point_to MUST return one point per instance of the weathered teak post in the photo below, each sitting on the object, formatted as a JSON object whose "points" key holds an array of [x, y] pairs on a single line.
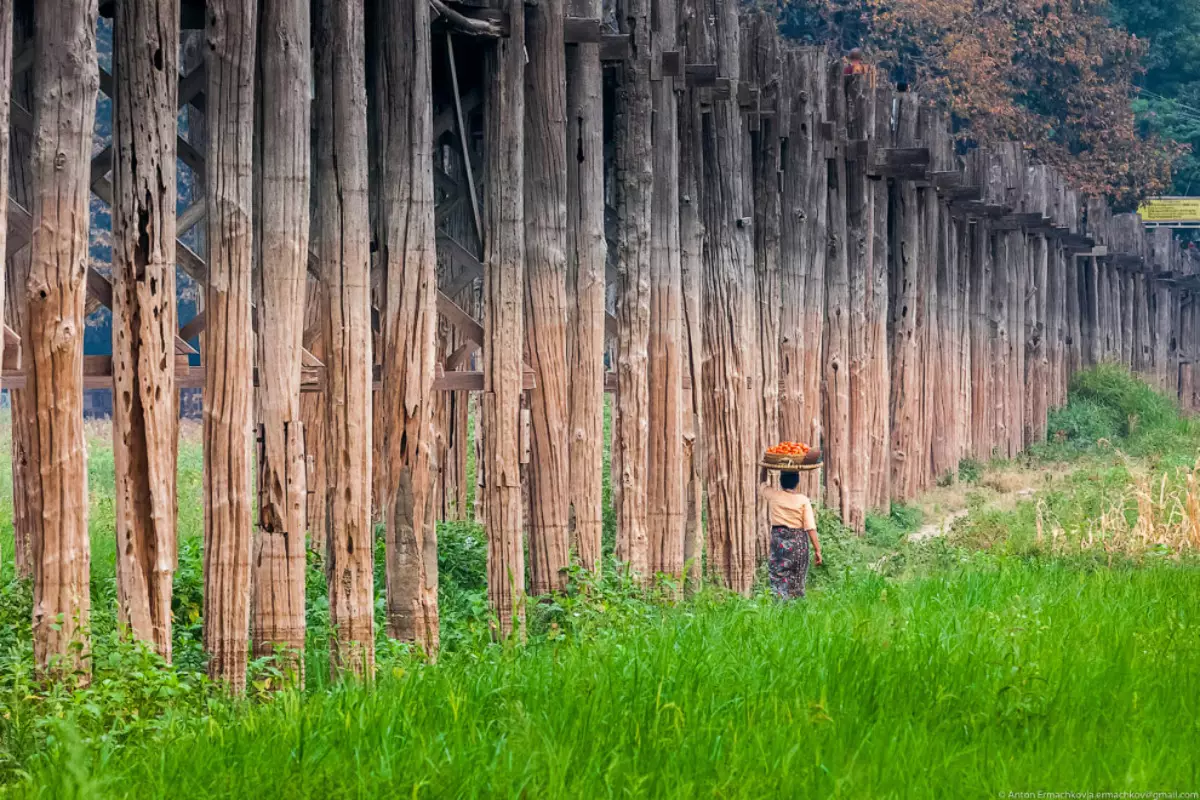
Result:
{"points": [[666, 353], [587, 251], [16, 307], [727, 407], [281, 243], [6, 67], [945, 357], [635, 196], [908, 288], [312, 414], [228, 342], [407, 259], [878, 373], [503, 321], [860, 243], [836, 355], [980, 282], [343, 263], [64, 108], [145, 422], [1036, 398], [761, 68], [803, 260], [546, 296], [691, 250], [930, 224]]}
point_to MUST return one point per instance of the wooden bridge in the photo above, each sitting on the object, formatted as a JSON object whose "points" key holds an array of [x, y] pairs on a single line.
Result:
{"points": [[514, 208]]}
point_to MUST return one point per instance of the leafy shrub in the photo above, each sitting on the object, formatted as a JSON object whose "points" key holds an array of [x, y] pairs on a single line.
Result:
{"points": [[969, 471]]}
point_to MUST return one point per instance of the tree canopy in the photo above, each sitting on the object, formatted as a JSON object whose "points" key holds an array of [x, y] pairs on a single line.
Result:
{"points": [[1059, 75]]}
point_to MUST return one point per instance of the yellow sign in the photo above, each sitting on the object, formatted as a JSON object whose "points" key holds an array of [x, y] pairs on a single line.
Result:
{"points": [[1170, 209]]}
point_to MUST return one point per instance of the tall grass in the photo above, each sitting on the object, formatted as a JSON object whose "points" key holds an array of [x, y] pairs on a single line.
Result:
{"points": [[999, 659], [1001, 677]]}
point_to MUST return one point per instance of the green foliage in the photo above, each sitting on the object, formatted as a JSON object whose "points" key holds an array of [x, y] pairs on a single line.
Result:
{"points": [[1170, 101], [889, 531], [1110, 407], [1074, 676], [970, 471]]}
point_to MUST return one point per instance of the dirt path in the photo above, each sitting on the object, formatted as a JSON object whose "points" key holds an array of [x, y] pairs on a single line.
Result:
{"points": [[999, 488]]}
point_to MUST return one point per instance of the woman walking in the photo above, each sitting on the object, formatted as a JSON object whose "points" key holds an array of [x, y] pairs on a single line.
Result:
{"points": [[793, 527]]}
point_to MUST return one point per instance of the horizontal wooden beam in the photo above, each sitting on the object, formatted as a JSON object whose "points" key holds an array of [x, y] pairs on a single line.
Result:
{"points": [[97, 374]]}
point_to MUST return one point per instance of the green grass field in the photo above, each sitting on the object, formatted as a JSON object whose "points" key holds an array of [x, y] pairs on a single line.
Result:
{"points": [[1048, 642]]}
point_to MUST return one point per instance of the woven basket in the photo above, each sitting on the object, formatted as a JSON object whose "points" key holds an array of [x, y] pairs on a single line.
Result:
{"points": [[809, 461]]}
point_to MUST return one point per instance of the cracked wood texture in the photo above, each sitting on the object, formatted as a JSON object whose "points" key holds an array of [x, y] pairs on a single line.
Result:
{"points": [[503, 322], [546, 297], [64, 108], [6, 74], [16, 274], [907, 316], [728, 407], [145, 422], [803, 253], [981, 369], [836, 355], [763, 67], [281, 243], [587, 251], [691, 266], [228, 337], [666, 510], [312, 414], [878, 375], [635, 194], [860, 223], [407, 257], [343, 258]]}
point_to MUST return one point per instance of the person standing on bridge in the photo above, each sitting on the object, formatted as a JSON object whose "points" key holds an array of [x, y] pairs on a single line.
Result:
{"points": [[793, 529]]}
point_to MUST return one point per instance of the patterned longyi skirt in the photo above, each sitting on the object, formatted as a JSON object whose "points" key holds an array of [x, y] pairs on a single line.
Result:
{"points": [[788, 567]]}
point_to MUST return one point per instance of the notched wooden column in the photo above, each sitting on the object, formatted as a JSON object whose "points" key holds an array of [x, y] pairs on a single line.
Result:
{"points": [[228, 338], [64, 109], [145, 419]]}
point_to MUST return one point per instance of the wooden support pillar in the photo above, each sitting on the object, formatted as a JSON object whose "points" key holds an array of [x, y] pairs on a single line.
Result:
{"points": [[860, 242], [546, 296], [728, 410], [228, 338], [52, 357], [282, 165], [1002, 274], [343, 259], [1014, 383], [927, 329], [963, 231], [878, 369], [145, 422], [665, 494], [312, 414], [946, 359], [762, 65], [6, 74], [587, 252], [16, 306], [691, 258], [1091, 312], [803, 251], [981, 345], [635, 193], [407, 258], [503, 321], [907, 318], [836, 357], [1036, 363]]}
